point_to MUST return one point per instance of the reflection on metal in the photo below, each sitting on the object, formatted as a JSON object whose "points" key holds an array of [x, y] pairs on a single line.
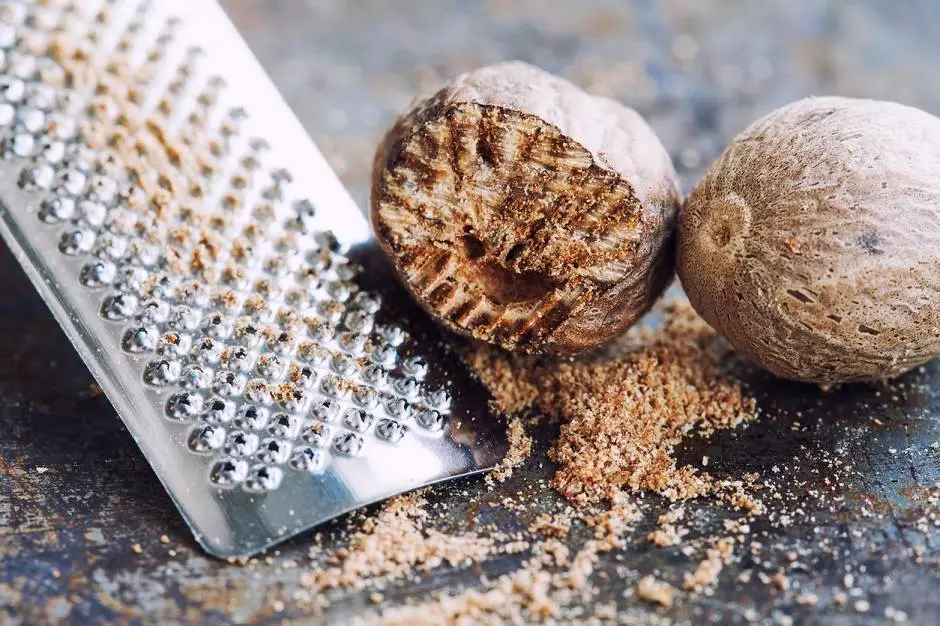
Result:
{"points": [[215, 276]]}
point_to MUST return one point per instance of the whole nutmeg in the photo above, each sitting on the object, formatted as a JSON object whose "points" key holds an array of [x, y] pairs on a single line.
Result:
{"points": [[813, 243], [525, 212]]}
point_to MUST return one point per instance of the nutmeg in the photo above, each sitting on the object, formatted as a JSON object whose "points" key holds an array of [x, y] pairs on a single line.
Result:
{"points": [[813, 242], [522, 211]]}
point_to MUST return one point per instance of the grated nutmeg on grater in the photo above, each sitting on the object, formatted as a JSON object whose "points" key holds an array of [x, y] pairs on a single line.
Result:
{"points": [[215, 276]]}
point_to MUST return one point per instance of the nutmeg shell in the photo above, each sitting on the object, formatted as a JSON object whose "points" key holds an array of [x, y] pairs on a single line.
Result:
{"points": [[813, 242], [522, 211]]}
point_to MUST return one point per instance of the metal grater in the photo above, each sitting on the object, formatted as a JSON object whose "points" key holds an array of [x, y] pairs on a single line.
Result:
{"points": [[215, 276]]}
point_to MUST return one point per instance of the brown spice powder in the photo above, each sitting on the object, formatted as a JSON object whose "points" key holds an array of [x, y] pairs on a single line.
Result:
{"points": [[393, 544], [520, 447], [517, 598], [499, 372], [706, 574], [626, 407], [653, 590], [285, 392], [668, 533], [536, 592]]}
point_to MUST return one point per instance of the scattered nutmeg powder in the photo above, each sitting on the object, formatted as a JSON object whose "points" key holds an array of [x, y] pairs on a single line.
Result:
{"points": [[537, 591], [653, 590], [626, 407], [520, 447], [499, 370], [393, 544], [706, 574], [668, 533]]}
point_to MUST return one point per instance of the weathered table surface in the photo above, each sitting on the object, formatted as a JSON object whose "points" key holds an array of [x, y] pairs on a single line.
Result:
{"points": [[76, 494]]}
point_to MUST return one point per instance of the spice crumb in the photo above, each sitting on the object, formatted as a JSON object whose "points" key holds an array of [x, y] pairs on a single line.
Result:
{"points": [[653, 590], [520, 448]]}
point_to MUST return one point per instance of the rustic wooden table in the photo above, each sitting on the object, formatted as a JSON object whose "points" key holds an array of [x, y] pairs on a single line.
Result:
{"points": [[76, 494]]}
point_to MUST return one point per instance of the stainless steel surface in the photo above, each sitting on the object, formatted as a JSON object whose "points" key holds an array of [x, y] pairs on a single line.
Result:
{"points": [[175, 217]]}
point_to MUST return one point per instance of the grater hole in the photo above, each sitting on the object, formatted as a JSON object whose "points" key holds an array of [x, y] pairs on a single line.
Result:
{"points": [[209, 257]]}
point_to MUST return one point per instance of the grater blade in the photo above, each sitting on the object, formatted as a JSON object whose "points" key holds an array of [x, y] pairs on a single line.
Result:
{"points": [[215, 276]]}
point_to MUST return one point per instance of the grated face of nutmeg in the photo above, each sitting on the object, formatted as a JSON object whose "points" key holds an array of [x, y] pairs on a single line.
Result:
{"points": [[524, 212]]}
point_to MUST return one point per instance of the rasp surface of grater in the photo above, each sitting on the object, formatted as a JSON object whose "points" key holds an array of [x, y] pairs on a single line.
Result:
{"points": [[215, 276]]}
